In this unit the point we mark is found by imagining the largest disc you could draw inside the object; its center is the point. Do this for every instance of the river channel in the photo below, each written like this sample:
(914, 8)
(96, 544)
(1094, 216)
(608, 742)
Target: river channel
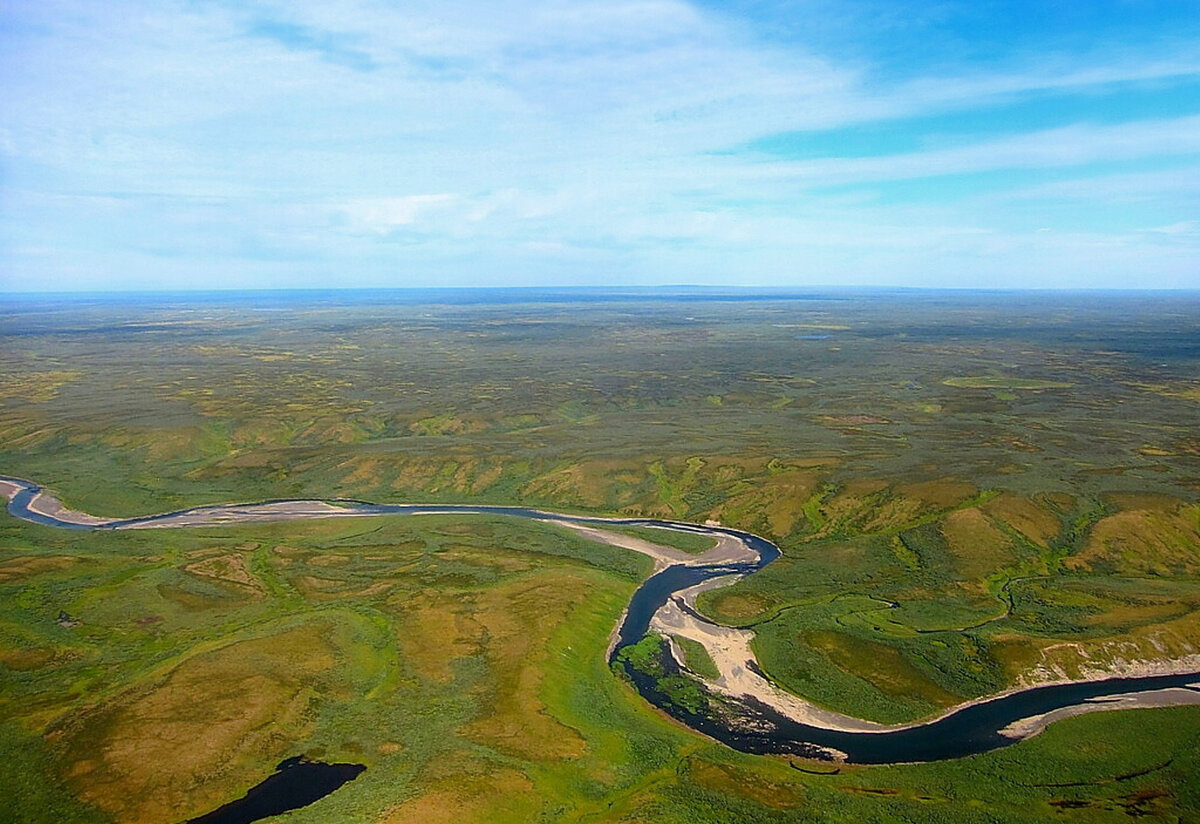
(742, 722)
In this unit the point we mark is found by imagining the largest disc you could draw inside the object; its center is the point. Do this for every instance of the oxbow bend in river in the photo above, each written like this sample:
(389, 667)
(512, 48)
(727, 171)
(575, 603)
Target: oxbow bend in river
(755, 715)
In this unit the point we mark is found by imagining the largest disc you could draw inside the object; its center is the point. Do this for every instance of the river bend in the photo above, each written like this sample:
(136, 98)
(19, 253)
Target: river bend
(748, 712)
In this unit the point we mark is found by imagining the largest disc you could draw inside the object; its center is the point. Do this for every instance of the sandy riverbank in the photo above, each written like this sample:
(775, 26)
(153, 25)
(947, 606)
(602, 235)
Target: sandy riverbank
(729, 550)
(729, 647)
(43, 503)
(249, 513)
(1174, 697)
(741, 677)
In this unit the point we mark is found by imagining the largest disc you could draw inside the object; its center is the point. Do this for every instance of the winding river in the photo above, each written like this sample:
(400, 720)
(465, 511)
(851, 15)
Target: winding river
(746, 711)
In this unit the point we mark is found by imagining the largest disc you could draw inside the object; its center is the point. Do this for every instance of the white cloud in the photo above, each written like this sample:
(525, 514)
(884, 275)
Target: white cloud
(1053, 73)
(1068, 146)
(384, 214)
(1183, 227)
(550, 133)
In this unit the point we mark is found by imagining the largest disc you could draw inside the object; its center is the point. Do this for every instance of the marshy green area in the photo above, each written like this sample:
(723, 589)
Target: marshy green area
(942, 540)
(697, 659)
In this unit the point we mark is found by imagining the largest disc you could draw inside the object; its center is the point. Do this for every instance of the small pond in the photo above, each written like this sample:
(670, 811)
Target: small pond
(297, 782)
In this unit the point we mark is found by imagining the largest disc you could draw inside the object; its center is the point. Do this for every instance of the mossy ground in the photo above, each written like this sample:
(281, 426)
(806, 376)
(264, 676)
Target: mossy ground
(472, 683)
(940, 542)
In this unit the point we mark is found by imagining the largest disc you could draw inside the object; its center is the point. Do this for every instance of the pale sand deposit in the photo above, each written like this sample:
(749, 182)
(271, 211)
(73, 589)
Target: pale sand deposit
(729, 647)
(1174, 697)
(43, 503)
(728, 549)
(48, 505)
(730, 650)
(249, 513)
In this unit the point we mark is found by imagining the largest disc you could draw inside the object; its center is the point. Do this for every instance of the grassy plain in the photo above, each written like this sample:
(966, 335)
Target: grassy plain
(942, 538)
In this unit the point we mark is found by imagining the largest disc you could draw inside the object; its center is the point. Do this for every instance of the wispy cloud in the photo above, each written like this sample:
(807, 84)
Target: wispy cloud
(332, 47)
(543, 139)
(385, 214)
(1184, 228)
(1070, 146)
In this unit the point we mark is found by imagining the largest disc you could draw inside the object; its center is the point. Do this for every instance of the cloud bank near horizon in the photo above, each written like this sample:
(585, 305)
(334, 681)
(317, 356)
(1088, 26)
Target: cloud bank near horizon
(211, 144)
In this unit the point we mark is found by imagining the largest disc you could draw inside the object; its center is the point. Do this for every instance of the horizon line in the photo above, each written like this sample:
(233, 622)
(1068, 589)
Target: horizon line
(598, 288)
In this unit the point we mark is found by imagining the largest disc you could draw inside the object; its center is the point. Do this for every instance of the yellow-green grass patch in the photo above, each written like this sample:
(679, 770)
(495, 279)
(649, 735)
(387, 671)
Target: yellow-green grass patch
(696, 658)
(1158, 541)
(1002, 382)
(882, 666)
(977, 545)
(518, 620)
(463, 789)
(1039, 525)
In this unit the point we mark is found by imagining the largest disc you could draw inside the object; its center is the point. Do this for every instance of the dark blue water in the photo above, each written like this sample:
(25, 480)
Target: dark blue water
(746, 725)
(19, 506)
(297, 782)
(755, 728)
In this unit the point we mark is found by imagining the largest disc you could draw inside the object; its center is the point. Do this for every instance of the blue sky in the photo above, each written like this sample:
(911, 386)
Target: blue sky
(210, 144)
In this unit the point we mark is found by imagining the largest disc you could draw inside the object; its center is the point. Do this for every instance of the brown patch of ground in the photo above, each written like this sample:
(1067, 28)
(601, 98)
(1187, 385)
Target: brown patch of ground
(1155, 452)
(480, 530)
(223, 596)
(736, 607)
(230, 569)
(585, 484)
(332, 589)
(1061, 500)
(14, 569)
(328, 560)
(35, 387)
(1118, 614)
(492, 557)
(851, 420)
(1016, 654)
(291, 552)
(21, 660)
(198, 737)
(1148, 501)
(473, 792)
(870, 506)
(850, 500)
(316, 587)
(518, 621)
(1156, 539)
(978, 546)
(942, 493)
(486, 477)
(1037, 524)
(433, 630)
(779, 497)
(729, 780)
(363, 470)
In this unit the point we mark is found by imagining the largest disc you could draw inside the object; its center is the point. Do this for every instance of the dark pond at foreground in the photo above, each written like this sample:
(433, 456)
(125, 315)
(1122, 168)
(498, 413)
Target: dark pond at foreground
(297, 782)
(743, 724)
